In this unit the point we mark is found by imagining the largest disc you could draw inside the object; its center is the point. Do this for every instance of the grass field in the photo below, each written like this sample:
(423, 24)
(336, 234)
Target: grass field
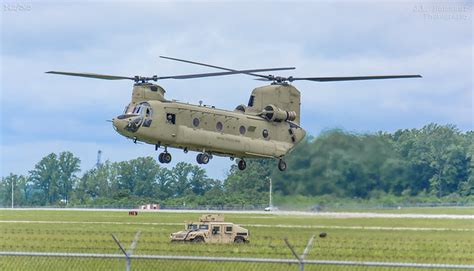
(413, 240)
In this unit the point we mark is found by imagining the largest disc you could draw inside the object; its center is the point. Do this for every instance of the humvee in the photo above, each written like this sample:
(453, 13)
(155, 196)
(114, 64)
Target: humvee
(211, 229)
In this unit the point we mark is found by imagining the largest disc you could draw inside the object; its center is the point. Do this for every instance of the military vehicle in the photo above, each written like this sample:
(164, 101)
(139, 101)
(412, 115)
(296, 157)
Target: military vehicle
(211, 229)
(267, 127)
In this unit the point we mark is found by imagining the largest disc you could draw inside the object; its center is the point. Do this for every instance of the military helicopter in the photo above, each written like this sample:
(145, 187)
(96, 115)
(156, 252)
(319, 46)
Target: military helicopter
(267, 127)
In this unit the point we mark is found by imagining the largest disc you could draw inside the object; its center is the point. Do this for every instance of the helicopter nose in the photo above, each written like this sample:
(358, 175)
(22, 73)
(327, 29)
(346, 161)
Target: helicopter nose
(115, 123)
(119, 124)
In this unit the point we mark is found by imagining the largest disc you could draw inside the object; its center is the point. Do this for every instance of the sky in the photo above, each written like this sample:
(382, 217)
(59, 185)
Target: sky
(42, 113)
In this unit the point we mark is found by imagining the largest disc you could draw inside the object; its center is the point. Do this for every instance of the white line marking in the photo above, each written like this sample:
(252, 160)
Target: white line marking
(275, 213)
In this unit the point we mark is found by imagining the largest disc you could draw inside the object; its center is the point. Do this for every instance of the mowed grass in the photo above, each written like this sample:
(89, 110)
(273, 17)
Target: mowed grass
(414, 240)
(460, 210)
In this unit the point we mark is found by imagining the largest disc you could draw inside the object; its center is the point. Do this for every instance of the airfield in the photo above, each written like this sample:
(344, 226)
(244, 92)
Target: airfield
(407, 235)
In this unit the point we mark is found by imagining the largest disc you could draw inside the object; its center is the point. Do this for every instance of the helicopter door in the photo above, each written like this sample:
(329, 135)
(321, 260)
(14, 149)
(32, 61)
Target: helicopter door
(171, 119)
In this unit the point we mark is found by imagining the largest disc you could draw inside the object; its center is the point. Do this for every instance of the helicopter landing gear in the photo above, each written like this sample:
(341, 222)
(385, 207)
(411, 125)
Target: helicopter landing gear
(242, 165)
(203, 158)
(164, 157)
(281, 165)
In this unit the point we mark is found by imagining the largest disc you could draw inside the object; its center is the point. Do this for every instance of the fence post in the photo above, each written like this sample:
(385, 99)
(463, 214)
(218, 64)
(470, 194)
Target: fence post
(305, 252)
(130, 250)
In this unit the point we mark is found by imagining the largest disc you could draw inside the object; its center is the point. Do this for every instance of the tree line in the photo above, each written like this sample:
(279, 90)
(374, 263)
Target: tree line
(434, 161)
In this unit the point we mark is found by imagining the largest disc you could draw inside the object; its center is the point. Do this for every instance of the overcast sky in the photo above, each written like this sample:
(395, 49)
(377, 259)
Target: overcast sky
(43, 113)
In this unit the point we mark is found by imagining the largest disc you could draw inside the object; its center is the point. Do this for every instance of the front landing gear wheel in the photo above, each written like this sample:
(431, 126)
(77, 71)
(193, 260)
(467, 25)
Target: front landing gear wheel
(281, 165)
(203, 158)
(242, 165)
(164, 157)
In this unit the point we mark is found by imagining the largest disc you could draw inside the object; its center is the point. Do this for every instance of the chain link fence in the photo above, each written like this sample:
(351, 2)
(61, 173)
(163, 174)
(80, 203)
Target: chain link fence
(75, 261)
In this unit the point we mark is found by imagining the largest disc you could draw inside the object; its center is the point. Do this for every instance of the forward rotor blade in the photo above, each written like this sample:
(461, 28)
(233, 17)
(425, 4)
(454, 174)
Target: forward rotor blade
(93, 75)
(226, 69)
(353, 78)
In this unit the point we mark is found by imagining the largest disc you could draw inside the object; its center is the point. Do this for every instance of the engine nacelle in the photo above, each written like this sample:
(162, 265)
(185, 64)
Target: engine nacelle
(273, 113)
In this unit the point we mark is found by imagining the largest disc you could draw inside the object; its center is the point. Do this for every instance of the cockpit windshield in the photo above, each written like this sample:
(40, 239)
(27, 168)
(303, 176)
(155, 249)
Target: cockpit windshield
(143, 109)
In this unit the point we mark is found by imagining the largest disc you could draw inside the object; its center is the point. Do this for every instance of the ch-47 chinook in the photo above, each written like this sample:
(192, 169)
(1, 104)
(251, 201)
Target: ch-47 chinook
(267, 127)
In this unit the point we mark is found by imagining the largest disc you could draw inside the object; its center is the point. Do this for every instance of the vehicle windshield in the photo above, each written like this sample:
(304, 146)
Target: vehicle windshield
(192, 226)
(197, 226)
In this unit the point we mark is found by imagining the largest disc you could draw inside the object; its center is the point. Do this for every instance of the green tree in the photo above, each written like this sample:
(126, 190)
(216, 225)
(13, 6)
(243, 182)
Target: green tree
(45, 177)
(68, 165)
(251, 185)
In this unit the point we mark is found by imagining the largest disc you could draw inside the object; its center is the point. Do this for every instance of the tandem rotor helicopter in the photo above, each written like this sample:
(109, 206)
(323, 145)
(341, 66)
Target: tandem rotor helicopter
(267, 127)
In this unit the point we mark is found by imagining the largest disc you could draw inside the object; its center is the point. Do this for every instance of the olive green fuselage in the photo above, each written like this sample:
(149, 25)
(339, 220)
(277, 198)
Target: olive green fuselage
(241, 133)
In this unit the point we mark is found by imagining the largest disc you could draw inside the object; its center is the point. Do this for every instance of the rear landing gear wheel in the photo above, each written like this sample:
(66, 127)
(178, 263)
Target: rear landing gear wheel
(281, 165)
(242, 165)
(203, 158)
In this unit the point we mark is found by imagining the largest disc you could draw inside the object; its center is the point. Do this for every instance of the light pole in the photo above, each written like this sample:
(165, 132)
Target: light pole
(270, 200)
(12, 193)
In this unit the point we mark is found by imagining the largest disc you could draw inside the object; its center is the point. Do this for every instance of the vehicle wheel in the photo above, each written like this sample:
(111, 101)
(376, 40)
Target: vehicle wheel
(198, 239)
(204, 158)
(281, 165)
(160, 158)
(239, 240)
(166, 157)
(198, 158)
(242, 165)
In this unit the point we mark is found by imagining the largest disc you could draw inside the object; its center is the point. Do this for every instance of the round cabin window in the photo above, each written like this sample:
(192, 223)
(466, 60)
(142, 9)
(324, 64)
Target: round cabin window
(196, 122)
(242, 130)
(265, 133)
(219, 126)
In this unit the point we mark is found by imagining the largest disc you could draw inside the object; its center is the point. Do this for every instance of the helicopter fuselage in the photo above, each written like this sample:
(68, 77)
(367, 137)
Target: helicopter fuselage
(240, 133)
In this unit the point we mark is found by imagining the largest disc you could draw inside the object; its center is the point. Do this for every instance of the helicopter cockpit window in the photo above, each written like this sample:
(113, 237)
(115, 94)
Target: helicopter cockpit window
(143, 109)
(251, 100)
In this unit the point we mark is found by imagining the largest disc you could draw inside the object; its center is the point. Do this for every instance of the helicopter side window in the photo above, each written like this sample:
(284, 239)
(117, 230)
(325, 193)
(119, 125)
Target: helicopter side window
(219, 126)
(171, 118)
(196, 122)
(251, 100)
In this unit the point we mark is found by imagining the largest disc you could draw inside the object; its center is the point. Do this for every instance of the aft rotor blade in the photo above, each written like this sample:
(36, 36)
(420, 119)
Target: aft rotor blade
(198, 75)
(93, 75)
(226, 69)
(353, 78)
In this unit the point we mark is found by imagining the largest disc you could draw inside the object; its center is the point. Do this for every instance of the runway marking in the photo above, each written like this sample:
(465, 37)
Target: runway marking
(269, 214)
(372, 228)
